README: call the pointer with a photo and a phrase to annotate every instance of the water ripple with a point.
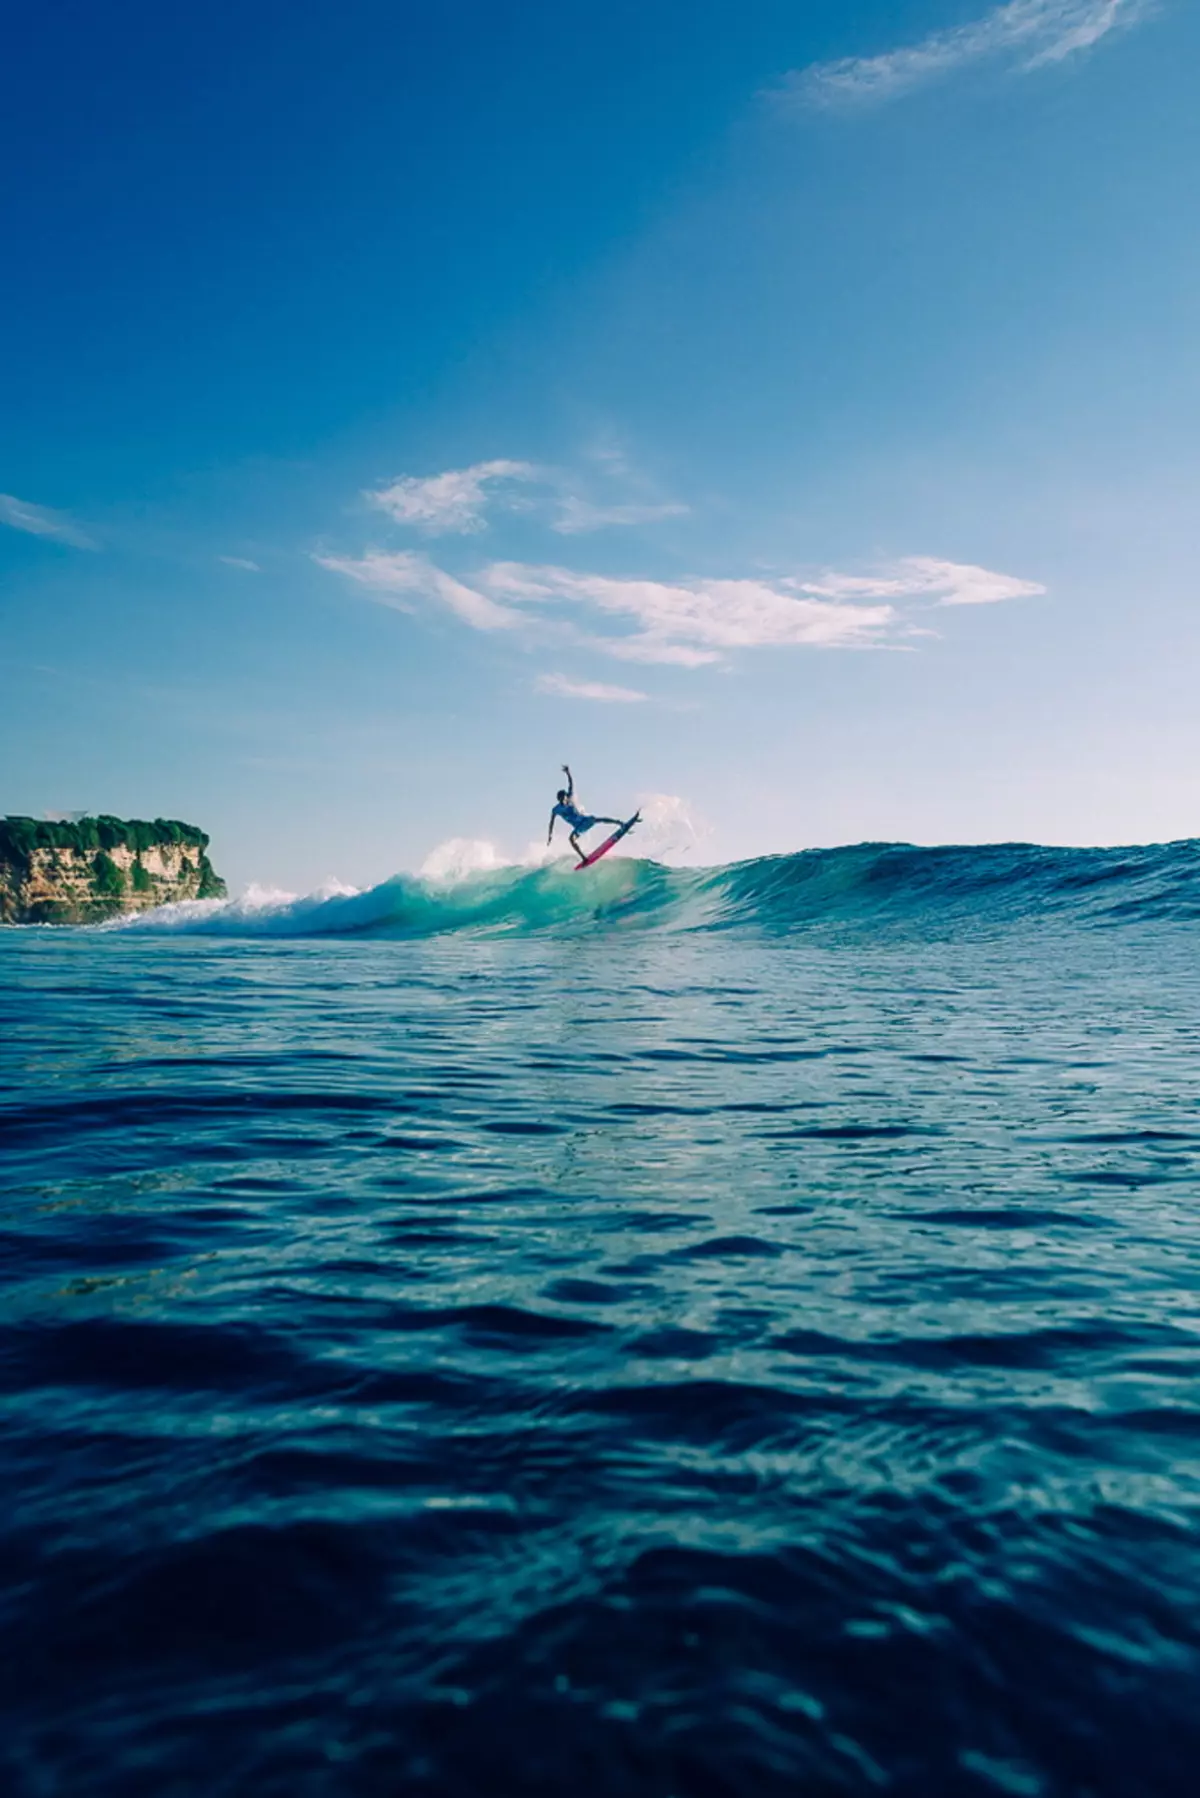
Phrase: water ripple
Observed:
(673, 1365)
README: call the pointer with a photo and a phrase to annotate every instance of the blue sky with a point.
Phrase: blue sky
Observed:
(785, 407)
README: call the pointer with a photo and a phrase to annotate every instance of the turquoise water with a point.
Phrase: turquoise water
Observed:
(697, 1333)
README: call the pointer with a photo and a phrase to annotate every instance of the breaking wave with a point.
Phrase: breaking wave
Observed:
(875, 885)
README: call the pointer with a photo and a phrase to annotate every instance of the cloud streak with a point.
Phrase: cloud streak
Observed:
(563, 688)
(457, 501)
(1033, 33)
(40, 521)
(578, 515)
(394, 578)
(454, 502)
(692, 623)
(927, 577)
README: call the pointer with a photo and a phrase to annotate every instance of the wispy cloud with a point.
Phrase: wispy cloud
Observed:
(926, 577)
(240, 562)
(454, 502)
(1031, 33)
(40, 521)
(562, 688)
(578, 515)
(685, 624)
(392, 578)
(457, 502)
(696, 622)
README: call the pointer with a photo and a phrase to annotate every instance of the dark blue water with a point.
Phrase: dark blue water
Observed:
(685, 1341)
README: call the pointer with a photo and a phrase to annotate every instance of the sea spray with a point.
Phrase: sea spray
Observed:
(464, 887)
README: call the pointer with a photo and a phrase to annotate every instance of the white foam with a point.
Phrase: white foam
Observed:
(669, 832)
(671, 829)
(257, 907)
(460, 857)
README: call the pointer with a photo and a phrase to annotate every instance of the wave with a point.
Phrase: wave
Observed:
(877, 885)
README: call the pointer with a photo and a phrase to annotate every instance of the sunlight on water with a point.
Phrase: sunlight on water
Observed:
(723, 1332)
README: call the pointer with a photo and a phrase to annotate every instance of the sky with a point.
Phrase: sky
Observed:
(783, 412)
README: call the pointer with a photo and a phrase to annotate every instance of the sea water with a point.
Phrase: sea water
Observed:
(659, 1334)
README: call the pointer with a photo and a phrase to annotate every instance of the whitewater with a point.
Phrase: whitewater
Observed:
(869, 882)
(662, 1332)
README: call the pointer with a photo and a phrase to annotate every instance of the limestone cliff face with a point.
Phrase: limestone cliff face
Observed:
(98, 868)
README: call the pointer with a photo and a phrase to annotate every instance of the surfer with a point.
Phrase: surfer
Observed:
(572, 817)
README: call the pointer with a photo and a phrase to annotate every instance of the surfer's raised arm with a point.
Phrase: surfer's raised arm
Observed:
(564, 797)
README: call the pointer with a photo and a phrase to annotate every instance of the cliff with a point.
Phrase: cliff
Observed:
(97, 868)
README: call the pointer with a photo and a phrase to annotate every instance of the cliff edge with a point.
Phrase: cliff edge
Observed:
(97, 868)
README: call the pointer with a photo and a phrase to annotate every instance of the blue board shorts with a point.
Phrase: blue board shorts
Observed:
(583, 823)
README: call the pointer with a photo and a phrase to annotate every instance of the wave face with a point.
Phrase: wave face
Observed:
(872, 885)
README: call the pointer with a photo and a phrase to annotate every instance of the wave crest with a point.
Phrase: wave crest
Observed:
(881, 885)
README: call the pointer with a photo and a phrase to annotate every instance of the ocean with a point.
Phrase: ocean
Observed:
(651, 1334)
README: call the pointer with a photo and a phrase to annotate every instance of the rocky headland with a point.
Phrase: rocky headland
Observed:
(98, 868)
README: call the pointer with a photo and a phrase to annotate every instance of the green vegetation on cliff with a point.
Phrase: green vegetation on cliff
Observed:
(95, 868)
(19, 837)
(108, 882)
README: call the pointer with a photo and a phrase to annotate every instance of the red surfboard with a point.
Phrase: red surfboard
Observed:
(609, 842)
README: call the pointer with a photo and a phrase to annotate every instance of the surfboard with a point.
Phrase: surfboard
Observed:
(609, 843)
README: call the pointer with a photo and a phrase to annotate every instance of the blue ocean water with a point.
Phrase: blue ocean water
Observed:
(658, 1333)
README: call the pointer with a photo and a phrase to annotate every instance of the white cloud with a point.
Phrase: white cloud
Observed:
(452, 502)
(690, 624)
(563, 688)
(240, 562)
(1034, 32)
(647, 649)
(457, 500)
(963, 584)
(914, 577)
(577, 515)
(389, 576)
(40, 521)
(685, 624)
